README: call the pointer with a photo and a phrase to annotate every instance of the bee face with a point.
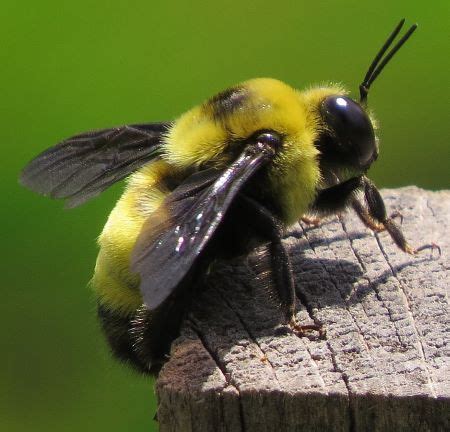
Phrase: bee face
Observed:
(347, 142)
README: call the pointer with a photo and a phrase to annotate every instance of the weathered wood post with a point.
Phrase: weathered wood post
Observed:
(383, 364)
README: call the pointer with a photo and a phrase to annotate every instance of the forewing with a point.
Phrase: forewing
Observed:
(174, 236)
(83, 166)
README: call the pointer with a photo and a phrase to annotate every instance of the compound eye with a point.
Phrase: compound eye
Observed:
(351, 129)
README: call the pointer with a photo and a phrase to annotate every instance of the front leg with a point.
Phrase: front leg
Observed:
(366, 218)
(377, 212)
(363, 213)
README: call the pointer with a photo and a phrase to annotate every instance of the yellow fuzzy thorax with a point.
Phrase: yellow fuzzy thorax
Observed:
(207, 133)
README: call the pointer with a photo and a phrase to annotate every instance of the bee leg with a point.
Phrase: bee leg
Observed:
(377, 211)
(305, 329)
(314, 221)
(270, 228)
(365, 216)
(363, 213)
(283, 278)
(336, 198)
(282, 273)
(284, 281)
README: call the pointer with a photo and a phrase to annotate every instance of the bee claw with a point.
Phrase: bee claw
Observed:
(304, 330)
(433, 246)
(397, 214)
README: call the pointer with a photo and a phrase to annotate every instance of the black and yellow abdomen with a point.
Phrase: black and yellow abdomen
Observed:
(115, 285)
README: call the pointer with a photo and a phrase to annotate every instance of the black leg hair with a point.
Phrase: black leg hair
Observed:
(376, 211)
(269, 225)
(271, 228)
(336, 198)
(283, 277)
(363, 213)
(372, 211)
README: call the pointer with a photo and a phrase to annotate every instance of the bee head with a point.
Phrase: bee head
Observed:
(347, 142)
(348, 137)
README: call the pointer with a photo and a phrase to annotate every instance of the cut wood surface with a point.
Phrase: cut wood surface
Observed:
(383, 364)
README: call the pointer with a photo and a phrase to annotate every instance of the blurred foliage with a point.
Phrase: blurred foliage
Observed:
(69, 67)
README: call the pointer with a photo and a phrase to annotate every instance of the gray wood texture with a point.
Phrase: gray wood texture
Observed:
(384, 363)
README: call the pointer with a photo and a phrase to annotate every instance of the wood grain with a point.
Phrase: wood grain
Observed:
(383, 364)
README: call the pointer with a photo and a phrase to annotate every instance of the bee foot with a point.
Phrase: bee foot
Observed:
(306, 329)
(433, 246)
(313, 221)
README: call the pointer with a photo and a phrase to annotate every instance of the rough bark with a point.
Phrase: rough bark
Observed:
(382, 365)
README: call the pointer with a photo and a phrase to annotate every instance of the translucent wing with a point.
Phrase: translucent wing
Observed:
(175, 235)
(83, 166)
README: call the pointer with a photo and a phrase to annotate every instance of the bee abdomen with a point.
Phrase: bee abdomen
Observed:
(117, 329)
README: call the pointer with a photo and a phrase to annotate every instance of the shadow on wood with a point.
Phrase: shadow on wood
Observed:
(383, 364)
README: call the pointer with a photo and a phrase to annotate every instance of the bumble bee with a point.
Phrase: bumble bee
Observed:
(225, 176)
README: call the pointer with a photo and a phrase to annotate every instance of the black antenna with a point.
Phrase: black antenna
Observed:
(376, 67)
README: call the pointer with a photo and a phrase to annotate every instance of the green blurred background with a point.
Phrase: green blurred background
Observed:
(68, 67)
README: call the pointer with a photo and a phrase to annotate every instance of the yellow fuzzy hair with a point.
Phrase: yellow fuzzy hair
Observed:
(201, 137)
(113, 282)
(197, 137)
